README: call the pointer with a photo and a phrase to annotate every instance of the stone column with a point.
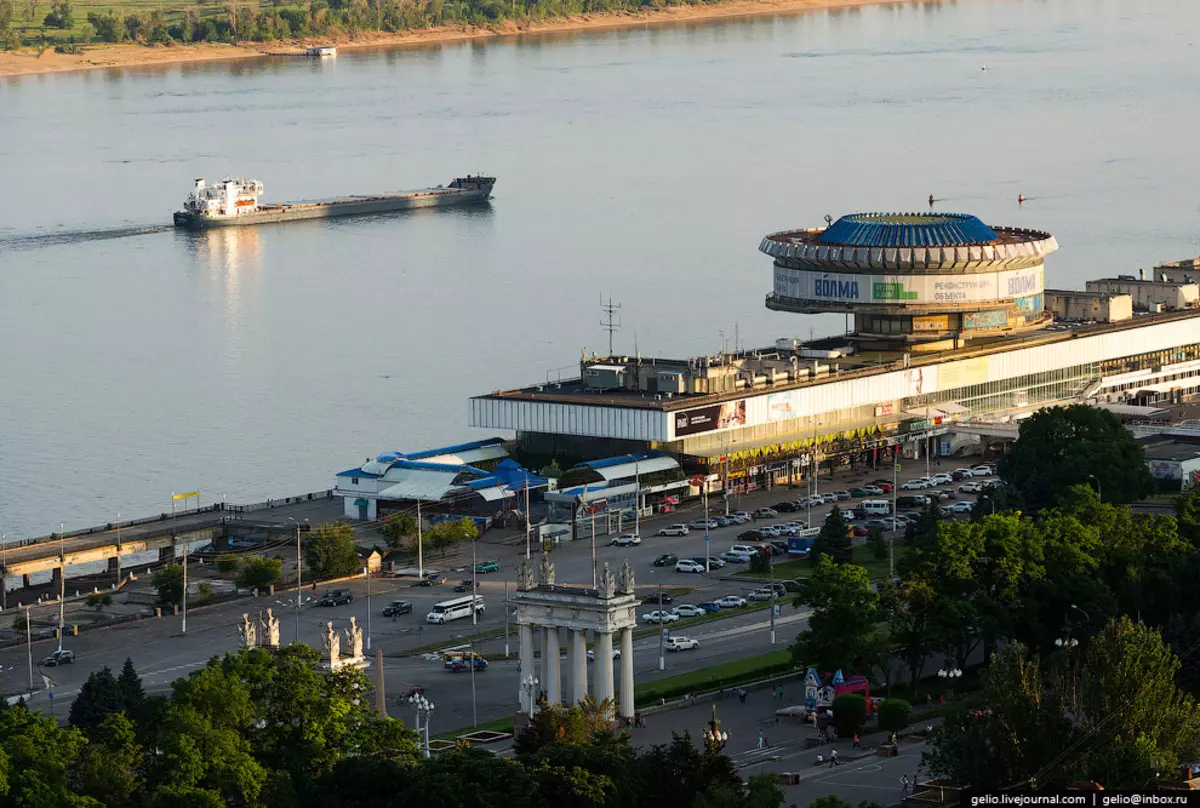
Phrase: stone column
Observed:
(545, 672)
(568, 676)
(627, 708)
(527, 666)
(553, 682)
(579, 665)
(603, 672)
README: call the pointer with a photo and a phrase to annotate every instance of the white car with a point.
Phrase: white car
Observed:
(983, 471)
(943, 479)
(688, 610)
(913, 485)
(760, 594)
(730, 602)
(687, 565)
(848, 514)
(735, 558)
(741, 517)
(829, 498)
(873, 490)
(660, 617)
(627, 540)
(962, 507)
(701, 524)
(674, 530)
(680, 643)
(591, 654)
(970, 488)
(766, 513)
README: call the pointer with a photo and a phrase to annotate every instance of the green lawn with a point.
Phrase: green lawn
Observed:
(802, 567)
(706, 680)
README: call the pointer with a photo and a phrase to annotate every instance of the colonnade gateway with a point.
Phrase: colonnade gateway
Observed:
(555, 616)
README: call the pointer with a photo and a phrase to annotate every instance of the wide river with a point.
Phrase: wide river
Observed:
(644, 164)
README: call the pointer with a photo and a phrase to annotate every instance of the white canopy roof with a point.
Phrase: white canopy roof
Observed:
(647, 466)
(418, 484)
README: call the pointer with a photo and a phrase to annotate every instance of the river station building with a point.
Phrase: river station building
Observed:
(951, 337)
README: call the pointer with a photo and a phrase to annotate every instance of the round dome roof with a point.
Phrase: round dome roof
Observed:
(908, 230)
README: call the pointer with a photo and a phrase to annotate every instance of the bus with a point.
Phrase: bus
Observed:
(449, 610)
(801, 544)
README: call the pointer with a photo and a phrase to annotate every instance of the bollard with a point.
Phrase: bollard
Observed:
(272, 590)
(158, 611)
(75, 630)
(175, 609)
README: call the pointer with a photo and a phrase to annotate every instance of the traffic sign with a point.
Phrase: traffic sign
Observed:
(706, 537)
(897, 467)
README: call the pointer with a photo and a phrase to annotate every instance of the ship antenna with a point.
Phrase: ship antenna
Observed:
(610, 324)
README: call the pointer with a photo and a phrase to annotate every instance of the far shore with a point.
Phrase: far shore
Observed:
(27, 62)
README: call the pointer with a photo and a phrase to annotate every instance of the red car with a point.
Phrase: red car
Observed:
(859, 530)
(884, 485)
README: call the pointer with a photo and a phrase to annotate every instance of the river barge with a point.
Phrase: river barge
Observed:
(234, 202)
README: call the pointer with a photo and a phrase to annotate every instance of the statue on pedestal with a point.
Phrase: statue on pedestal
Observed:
(272, 631)
(546, 572)
(625, 581)
(524, 576)
(354, 639)
(247, 632)
(608, 582)
(333, 645)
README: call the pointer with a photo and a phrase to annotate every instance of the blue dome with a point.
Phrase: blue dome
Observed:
(908, 230)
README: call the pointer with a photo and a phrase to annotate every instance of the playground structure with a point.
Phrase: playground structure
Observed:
(820, 691)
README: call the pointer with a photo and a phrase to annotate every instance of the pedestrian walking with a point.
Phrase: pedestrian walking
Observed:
(760, 739)
(721, 689)
(857, 741)
(833, 761)
(904, 783)
(742, 695)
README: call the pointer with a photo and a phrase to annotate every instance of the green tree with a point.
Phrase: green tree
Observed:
(761, 563)
(22, 622)
(833, 540)
(893, 714)
(35, 759)
(849, 713)
(6, 14)
(1127, 692)
(260, 573)
(910, 606)
(168, 582)
(228, 562)
(398, 527)
(581, 724)
(99, 697)
(1063, 446)
(109, 768)
(1187, 506)
(98, 600)
(61, 15)
(845, 610)
(133, 695)
(107, 26)
(331, 552)
(877, 543)
(12, 40)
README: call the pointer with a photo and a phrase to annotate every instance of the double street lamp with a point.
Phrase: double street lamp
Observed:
(529, 686)
(714, 737)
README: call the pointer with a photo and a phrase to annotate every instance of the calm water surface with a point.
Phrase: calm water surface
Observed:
(643, 163)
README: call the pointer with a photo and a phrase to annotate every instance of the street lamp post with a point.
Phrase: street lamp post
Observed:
(662, 659)
(424, 709)
(1099, 490)
(529, 686)
(29, 642)
(300, 583)
(118, 548)
(367, 575)
(62, 580)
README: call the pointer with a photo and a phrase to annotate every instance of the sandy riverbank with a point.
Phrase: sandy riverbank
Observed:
(108, 56)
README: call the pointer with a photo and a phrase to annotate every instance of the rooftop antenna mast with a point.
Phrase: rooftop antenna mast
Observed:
(610, 324)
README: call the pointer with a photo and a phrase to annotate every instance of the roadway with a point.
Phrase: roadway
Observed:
(162, 652)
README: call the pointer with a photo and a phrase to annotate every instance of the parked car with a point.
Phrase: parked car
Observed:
(735, 558)
(714, 563)
(913, 485)
(982, 471)
(859, 493)
(336, 597)
(688, 610)
(961, 474)
(687, 565)
(770, 532)
(779, 588)
(766, 513)
(848, 514)
(465, 585)
(883, 485)
(674, 530)
(788, 529)
(779, 548)
(970, 488)
(723, 521)
(741, 517)
(666, 559)
(942, 478)
(944, 510)
(487, 566)
(859, 530)
(962, 507)
(704, 524)
(591, 653)
(680, 643)
(397, 607)
(784, 507)
(658, 616)
(829, 498)
(60, 657)
(760, 594)
(842, 495)
(884, 524)
(942, 494)
(731, 602)
(752, 535)
(790, 585)
(626, 540)
(709, 606)
(874, 490)
(652, 600)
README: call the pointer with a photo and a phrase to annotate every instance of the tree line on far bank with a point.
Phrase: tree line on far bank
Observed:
(247, 22)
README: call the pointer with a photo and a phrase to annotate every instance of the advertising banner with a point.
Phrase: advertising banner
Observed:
(985, 319)
(714, 417)
(940, 322)
(781, 406)
(953, 375)
(835, 287)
